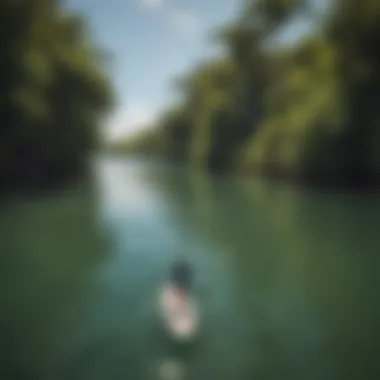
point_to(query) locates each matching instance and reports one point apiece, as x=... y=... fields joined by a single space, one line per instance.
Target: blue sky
x=151 y=41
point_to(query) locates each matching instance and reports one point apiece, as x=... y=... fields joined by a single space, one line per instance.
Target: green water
x=287 y=278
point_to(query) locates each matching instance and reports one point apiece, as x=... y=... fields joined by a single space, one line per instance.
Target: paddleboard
x=179 y=313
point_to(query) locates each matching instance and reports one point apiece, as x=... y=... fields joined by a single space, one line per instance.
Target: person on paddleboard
x=178 y=306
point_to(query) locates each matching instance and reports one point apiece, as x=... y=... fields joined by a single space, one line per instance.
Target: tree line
x=307 y=110
x=53 y=92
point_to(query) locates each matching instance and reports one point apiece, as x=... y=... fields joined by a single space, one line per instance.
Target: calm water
x=288 y=279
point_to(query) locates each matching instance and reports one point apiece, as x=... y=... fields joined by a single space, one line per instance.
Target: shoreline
x=310 y=182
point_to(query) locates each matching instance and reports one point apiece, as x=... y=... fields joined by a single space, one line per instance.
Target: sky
x=152 y=41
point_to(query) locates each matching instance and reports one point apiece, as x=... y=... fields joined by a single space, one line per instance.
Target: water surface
x=288 y=278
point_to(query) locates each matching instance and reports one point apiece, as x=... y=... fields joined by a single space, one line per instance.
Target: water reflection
x=48 y=248
x=145 y=242
x=171 y=369
x=286 y=279
x=306 y=272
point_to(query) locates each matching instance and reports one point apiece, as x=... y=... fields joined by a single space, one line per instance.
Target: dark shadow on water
x=49 y=246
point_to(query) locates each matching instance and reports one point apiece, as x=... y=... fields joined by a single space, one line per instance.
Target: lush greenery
x=305 y=110
x=53 y=92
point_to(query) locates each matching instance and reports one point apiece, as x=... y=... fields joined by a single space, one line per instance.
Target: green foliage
x=144 y=142
x=53 y=91
x=269 y=14
x=307 y=110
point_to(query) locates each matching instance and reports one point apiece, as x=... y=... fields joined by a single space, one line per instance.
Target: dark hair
x=181 y=272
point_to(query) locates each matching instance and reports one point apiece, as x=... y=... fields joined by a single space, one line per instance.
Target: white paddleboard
x=179 y=314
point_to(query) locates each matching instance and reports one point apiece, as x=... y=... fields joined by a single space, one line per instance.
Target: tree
x=53 y=90
x=306 y=110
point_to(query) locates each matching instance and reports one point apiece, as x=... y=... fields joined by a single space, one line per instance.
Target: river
x=288 y=279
